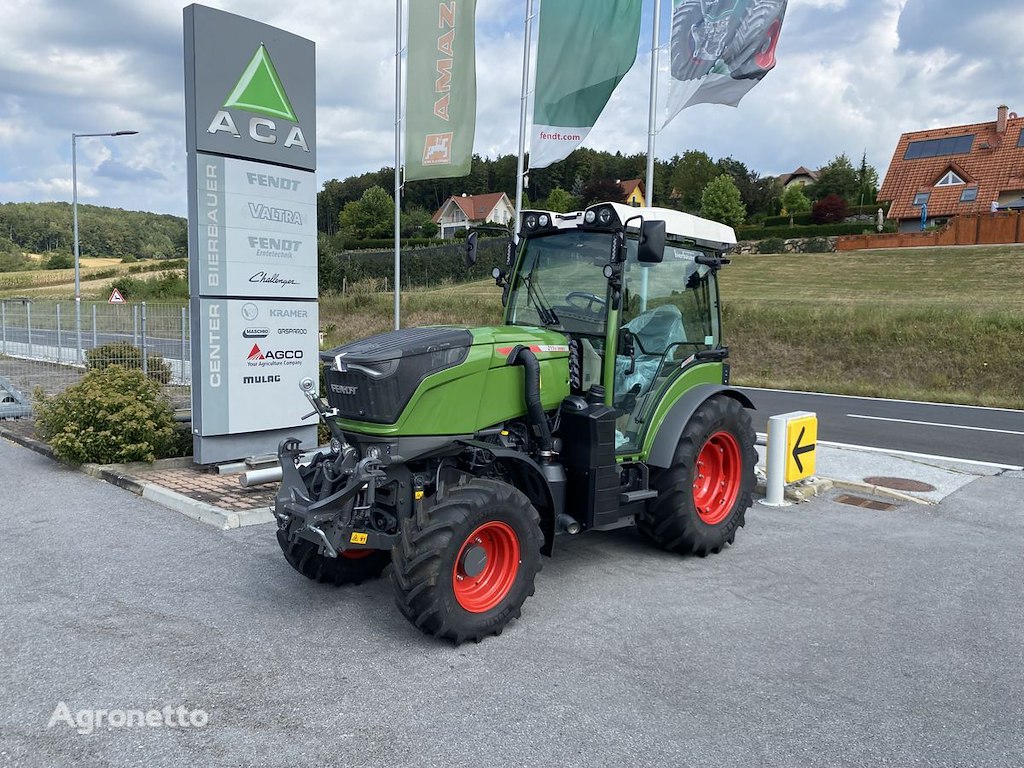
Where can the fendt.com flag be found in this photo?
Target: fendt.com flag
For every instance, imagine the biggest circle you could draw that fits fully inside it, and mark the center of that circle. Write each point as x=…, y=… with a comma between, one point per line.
x=584, y=48
x=441, y=89
x=720, y=49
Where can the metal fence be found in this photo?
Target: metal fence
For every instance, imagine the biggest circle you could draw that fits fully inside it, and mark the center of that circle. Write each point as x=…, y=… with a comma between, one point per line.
x=48, y=344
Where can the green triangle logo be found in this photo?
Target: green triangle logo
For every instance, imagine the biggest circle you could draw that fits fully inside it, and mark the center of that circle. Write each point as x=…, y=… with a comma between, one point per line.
x=259, y=89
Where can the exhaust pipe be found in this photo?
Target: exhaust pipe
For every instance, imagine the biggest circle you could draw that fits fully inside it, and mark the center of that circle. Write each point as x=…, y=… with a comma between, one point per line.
x=534, y=410
x=567, y=524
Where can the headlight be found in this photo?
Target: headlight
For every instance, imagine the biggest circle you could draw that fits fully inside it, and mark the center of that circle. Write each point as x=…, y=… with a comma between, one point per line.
x=589, y=217
x=373, y=451
x=604, y=217
x=544, y=219
x=530, y=221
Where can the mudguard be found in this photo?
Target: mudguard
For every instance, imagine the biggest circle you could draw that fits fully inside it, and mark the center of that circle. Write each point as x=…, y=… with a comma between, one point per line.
x=664, y=446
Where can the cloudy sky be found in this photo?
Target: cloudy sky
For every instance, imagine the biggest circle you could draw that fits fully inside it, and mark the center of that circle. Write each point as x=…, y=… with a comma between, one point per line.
x=851, y=76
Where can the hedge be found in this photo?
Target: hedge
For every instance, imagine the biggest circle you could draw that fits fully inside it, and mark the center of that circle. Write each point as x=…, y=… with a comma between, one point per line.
x=803, y=219
x=821, y=230
x=420, y=266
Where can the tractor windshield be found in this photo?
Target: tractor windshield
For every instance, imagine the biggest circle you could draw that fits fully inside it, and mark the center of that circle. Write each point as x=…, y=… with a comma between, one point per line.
x=559, y=283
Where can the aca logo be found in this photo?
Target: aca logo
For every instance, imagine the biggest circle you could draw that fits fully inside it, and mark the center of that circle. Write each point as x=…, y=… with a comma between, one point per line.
x=259, y=90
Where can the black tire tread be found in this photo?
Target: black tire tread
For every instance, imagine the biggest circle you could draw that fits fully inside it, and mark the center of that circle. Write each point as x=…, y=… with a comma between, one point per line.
x=418, y=558
x=302, y=555
x=670, y=520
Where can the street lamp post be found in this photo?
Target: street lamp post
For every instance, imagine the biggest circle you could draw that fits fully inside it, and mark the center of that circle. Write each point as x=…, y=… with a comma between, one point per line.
x=74, y=216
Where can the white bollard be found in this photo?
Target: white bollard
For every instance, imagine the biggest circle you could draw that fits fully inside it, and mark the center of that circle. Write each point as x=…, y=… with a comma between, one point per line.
x=775, y=463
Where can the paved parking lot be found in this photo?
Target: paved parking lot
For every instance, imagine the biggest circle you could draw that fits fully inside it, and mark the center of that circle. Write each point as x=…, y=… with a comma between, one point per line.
x=829, y=635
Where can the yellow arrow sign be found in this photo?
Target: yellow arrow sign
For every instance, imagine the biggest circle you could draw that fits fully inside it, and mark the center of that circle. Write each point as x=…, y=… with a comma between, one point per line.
x=801, y=442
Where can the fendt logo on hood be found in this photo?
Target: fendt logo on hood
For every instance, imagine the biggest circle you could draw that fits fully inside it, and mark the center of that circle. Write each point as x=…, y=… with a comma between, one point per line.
x=259, y=90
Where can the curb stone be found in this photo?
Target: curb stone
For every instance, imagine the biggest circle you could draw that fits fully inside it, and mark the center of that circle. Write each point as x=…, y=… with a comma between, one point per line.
x=117, y=474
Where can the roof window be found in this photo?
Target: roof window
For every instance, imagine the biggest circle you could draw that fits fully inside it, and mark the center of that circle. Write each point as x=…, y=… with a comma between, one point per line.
x=921, y=198
x=969, y=195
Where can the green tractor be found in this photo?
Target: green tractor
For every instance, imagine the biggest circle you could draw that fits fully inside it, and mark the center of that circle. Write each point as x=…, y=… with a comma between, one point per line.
x=460, y=455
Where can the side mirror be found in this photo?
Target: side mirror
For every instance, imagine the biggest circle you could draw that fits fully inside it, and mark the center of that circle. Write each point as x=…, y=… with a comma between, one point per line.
x=471, y=249
x=651, y=248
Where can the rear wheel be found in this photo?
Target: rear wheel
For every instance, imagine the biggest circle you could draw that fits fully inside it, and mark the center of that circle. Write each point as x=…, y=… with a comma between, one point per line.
x=349, y=567
x=464, y=567
x=704, y=496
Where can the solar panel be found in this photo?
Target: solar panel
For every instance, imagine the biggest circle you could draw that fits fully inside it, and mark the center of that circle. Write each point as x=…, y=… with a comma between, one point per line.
x=951, y=145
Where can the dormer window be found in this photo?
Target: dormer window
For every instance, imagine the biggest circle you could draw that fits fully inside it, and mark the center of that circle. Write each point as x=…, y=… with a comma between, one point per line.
x=949, y=180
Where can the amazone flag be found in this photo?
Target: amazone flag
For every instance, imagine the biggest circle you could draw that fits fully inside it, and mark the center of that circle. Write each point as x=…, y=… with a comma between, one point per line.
x=440, y=89
x=584, y=48
x=720, y=49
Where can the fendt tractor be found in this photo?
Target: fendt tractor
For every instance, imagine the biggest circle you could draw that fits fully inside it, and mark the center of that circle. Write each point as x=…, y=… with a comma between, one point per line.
x=459, y=456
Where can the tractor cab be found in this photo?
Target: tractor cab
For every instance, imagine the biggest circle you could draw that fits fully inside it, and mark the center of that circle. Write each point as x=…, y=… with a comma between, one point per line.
x=635, y=292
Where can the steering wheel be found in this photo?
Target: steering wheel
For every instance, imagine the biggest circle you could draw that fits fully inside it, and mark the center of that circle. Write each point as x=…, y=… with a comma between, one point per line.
x=591, y=299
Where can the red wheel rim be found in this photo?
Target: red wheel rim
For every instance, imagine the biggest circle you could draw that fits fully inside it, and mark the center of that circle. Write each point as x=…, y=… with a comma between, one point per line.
x=480, y=591
x=716, y=482
x=356, y=554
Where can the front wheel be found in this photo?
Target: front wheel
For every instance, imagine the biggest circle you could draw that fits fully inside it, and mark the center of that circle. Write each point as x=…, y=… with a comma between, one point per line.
x=704, y=496
x=349, y=567
x=464, y=567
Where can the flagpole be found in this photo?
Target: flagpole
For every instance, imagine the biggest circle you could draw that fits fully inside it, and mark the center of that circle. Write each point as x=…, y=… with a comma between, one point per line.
x=522, y=115
x=398, y=162
x=653, y=106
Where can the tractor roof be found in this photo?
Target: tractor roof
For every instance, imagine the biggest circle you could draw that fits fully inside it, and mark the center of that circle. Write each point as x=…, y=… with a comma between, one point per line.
x=678, y=225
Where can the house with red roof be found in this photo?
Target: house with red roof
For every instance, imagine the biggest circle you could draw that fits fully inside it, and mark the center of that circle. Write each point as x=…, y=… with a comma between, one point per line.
x=802, y=176
x=940, y=173
x=465, y=211
x=632, y=192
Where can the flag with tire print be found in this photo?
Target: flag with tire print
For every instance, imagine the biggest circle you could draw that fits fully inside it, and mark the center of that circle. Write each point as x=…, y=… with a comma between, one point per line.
x=720, y=49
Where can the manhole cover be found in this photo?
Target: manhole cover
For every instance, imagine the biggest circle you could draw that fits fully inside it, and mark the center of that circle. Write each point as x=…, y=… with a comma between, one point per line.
x=900, y=484
x=860, y=501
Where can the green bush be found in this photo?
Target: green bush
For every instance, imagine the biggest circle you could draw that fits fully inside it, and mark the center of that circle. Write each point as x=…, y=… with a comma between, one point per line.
x=60, y=261
x=771, y=245
x=127, y=356
x=112, y=415
x=816, y=245
x=14, y=261
x=170, y=285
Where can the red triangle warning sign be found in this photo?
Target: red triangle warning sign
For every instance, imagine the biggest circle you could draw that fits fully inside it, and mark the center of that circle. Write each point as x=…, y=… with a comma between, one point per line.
x=116, y=297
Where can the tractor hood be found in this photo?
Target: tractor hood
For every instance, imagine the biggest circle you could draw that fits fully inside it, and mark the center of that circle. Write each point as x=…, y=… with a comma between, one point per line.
x=381, y=379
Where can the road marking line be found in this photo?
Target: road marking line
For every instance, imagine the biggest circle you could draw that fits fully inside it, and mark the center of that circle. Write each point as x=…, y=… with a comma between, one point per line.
x=936, y=424
x=762, y=437
x=879, y=399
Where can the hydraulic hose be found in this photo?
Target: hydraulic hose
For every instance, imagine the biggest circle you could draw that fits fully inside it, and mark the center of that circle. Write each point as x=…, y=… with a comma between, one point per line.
x=520, y=355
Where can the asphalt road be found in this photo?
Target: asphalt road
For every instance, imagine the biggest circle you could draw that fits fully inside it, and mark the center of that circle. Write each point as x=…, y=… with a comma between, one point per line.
x=964, y=432
x=42, y=337
x=828, y=635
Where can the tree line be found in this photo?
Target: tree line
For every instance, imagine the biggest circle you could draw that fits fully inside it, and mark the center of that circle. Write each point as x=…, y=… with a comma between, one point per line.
x=724, y=189
x=112, y=232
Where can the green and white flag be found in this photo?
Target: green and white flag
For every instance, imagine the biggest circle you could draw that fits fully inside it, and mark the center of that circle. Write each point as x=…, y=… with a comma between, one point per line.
x=440, y=89
x=584, y=48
